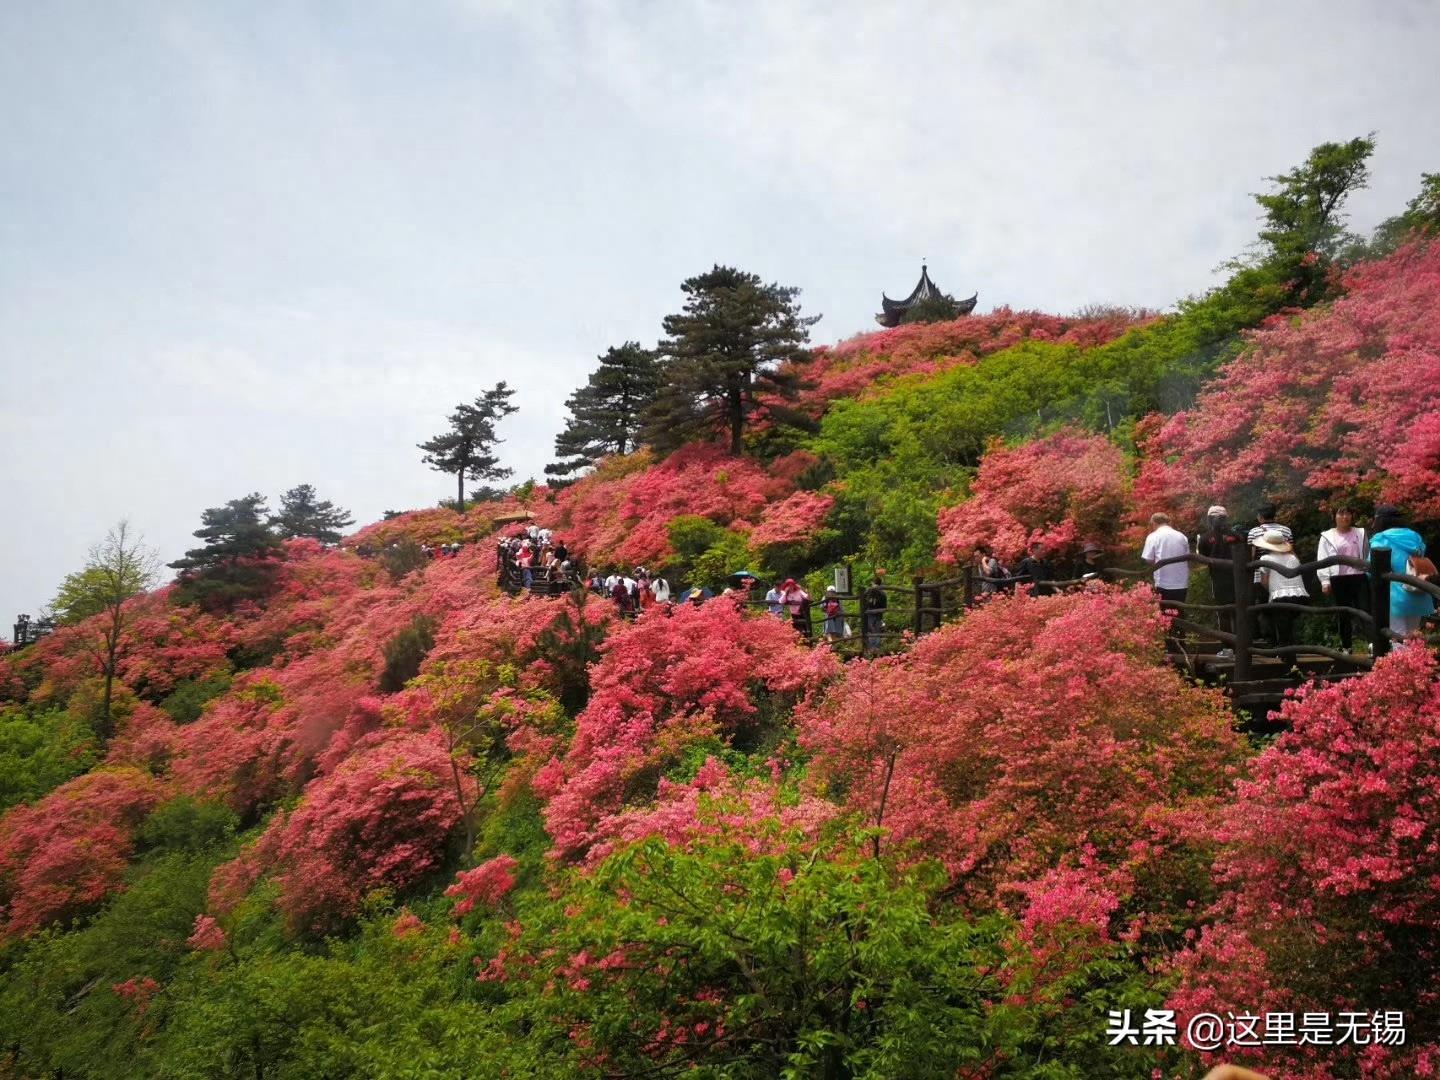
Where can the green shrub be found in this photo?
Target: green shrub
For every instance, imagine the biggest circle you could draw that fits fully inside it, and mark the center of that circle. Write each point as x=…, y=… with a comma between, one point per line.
x=406, y=651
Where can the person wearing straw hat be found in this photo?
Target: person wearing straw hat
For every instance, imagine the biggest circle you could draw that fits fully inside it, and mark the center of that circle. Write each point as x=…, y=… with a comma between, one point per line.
x=1277, y=555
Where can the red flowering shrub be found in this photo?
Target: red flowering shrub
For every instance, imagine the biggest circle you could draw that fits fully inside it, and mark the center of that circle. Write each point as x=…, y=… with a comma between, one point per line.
x=1035, y=734
x=484, y=886
x=715, y=805
x=441, y=526
x=207, y=936
x=381, y=819
x=1332, y=401
x=621, y=512
x=663, y=684
x=794, y=520
x=159, y=645
x=67, y=852
x=1066, y=487
x=145, y=739
x=1331, y=873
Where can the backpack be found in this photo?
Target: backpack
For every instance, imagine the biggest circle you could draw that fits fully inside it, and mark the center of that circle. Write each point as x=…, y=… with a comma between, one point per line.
x=1421, y=567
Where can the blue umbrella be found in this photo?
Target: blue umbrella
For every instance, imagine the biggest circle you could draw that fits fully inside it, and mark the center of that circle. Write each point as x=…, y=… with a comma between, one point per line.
x=738, y=574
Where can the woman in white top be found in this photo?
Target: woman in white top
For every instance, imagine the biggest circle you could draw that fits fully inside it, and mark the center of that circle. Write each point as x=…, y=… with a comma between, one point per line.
x=1278, y=553
x=1344, y=584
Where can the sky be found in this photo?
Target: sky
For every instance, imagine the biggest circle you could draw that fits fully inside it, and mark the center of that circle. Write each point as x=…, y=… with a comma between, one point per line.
x=247, y=246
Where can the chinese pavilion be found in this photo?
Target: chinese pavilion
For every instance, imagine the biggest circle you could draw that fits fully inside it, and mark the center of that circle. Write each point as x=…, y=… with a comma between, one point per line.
x=892, y=311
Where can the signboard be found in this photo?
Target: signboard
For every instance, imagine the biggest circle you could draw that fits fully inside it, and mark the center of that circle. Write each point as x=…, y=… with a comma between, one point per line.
x=842, y=580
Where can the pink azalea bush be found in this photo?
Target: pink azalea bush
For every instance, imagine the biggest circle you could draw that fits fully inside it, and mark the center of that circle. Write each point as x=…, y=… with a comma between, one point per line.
x=1037, y=734
x=621, y=512
x=484, y=886
x=664, y=683
x=382, y=819
x=1333, y=401
x=65, y=854
x=796, y=519
x=1330, y=873
x=1061, y=489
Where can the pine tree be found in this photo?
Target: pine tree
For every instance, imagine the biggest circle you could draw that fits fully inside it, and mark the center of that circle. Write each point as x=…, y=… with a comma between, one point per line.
x=728, y=346
x=606, y=413
x=301, y=514
x=235, y=562
x=467, y=449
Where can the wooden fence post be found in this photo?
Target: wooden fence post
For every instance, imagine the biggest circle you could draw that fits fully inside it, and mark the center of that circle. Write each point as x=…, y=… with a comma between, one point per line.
x=1380, y=565
x=864, y=623
x=969, y=587
x=1242, y=584
x=919, y=622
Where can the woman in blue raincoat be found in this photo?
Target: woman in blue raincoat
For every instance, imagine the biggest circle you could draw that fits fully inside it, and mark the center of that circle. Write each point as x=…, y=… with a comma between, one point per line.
x=1391, y=534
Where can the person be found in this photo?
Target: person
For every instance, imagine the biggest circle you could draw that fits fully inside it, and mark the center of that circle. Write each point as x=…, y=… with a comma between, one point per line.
x=660, y=589
x=874, y=602
x=1216, y=543
x=1390, y=533
x=525, y=559
x=1264, y=519
x=562, y=553
x=1092, y=563
x=1277, y=552
x=989, y=569
x=1343, y=584
x=1035, y=569
x=620, y=593
x=797, y=602
x=834, y=614
x=697, y=596
x=773, y=599
x=1172, y=581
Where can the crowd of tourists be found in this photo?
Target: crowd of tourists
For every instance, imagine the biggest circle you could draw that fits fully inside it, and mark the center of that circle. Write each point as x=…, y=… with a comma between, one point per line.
x=539, y=561
x=539, y=558
x=1280, y=588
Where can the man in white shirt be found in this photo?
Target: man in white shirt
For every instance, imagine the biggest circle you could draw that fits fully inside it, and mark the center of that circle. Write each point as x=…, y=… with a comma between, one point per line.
x=1172, y=582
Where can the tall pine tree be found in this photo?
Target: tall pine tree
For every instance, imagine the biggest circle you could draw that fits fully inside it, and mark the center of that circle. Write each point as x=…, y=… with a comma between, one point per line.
x=301, y=514
x=235, y=562
x=606, y=413
x=467, y=449
x=730, y=344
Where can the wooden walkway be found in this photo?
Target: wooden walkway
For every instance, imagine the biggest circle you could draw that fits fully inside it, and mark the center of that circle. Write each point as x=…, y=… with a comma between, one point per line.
x=1255, y=676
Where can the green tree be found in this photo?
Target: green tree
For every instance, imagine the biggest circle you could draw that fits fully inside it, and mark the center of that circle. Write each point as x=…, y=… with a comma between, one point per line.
x=932, y=309
x=1303, y=228
x=301, y=514
x=119, y=568
x=235, y=562
x=729, y=345
x=606, y=413
x=1422, y=214
x=467, y=448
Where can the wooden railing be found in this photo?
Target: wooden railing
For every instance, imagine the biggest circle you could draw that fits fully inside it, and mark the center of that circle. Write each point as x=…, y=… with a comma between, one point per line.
x=925, y=604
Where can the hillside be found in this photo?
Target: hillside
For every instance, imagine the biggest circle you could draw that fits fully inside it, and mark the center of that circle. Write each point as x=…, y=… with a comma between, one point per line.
x=390, y=821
